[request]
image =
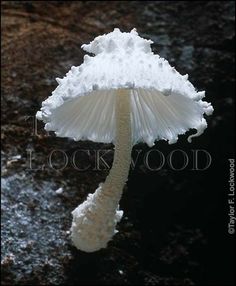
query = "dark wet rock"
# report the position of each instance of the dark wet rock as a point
(174, 227)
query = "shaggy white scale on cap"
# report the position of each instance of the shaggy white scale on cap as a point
(124, 94)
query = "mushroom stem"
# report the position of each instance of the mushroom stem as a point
(94, 221)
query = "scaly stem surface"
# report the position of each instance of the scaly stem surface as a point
(95, 220)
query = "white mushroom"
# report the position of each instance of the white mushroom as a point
(124, 94)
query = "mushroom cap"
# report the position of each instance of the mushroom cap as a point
(164, 103)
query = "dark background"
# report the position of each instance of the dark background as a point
(174, 230)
